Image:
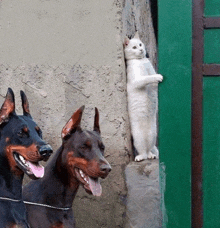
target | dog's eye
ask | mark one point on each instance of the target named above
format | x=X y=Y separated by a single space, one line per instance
x=140 y=45
x=134 y=47
x=85 y=146
x=23 y=133
x=20 y=133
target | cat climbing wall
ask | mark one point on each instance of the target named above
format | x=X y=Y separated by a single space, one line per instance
x=142 y=95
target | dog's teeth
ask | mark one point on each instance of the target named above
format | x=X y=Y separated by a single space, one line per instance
x=86 y=180
x=22 y=159
x=83 y=176
x=81 y=173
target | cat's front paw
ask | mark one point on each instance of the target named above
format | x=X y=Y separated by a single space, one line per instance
x=159 y=78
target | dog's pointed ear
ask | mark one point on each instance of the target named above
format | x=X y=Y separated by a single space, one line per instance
x=25 y=104
x=8 y=107
x=96 y=121
x=73 y=122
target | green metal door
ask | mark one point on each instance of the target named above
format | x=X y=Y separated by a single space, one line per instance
x=175 y=47
x=189 y=112
x=211 y=115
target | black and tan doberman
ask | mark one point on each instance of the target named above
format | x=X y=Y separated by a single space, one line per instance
x=79 y=160
x=21 y=148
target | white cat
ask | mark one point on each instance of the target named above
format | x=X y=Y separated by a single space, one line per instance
x=142 y=92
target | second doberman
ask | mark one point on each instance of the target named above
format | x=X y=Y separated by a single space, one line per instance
x=79 y=160
x=21 y=148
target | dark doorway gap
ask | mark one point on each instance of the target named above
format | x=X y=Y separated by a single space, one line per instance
x=154 y=13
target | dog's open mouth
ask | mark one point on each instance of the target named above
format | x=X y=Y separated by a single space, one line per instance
x=33 y=169
x=91 y=185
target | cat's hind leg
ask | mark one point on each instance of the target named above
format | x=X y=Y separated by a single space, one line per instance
x=141 y=142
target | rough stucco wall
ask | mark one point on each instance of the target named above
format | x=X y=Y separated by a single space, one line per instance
x=65 y=54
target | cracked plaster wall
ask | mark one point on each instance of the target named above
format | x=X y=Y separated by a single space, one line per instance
x=65 y=54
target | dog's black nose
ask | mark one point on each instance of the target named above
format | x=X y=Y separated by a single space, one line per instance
x=106 y=168
x=45 y=151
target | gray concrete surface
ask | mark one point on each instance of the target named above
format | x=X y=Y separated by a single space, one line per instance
x=143 y=201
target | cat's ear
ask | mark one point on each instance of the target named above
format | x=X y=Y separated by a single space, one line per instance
x=136 y=36
x=126 y=41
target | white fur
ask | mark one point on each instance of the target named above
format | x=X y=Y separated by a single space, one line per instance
x=142 y=92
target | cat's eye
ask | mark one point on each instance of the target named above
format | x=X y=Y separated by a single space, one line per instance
x=140 y=45
x=134 y=47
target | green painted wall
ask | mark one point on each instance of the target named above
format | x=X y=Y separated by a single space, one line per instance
x=211 y=124
x=212 y=8
x=211 y=151
x=212 y=46
x=175 y=42
x=175 y=48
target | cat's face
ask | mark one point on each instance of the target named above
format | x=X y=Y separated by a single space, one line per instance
x=134 y=48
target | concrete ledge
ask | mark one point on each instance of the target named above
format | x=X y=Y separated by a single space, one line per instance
x=143 y=201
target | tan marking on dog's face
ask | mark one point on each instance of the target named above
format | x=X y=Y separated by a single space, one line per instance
x=71 y=163
x=25 y=129
x=12 y=225
x=30 y=153
x=57 y=225
x=88 y=143
x=91 y=168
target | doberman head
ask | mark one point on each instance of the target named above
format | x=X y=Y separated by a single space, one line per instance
x=21 y=144
x=83 y=153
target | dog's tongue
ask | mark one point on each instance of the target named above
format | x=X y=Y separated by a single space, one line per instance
x=95 y=186
x=37 y=170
